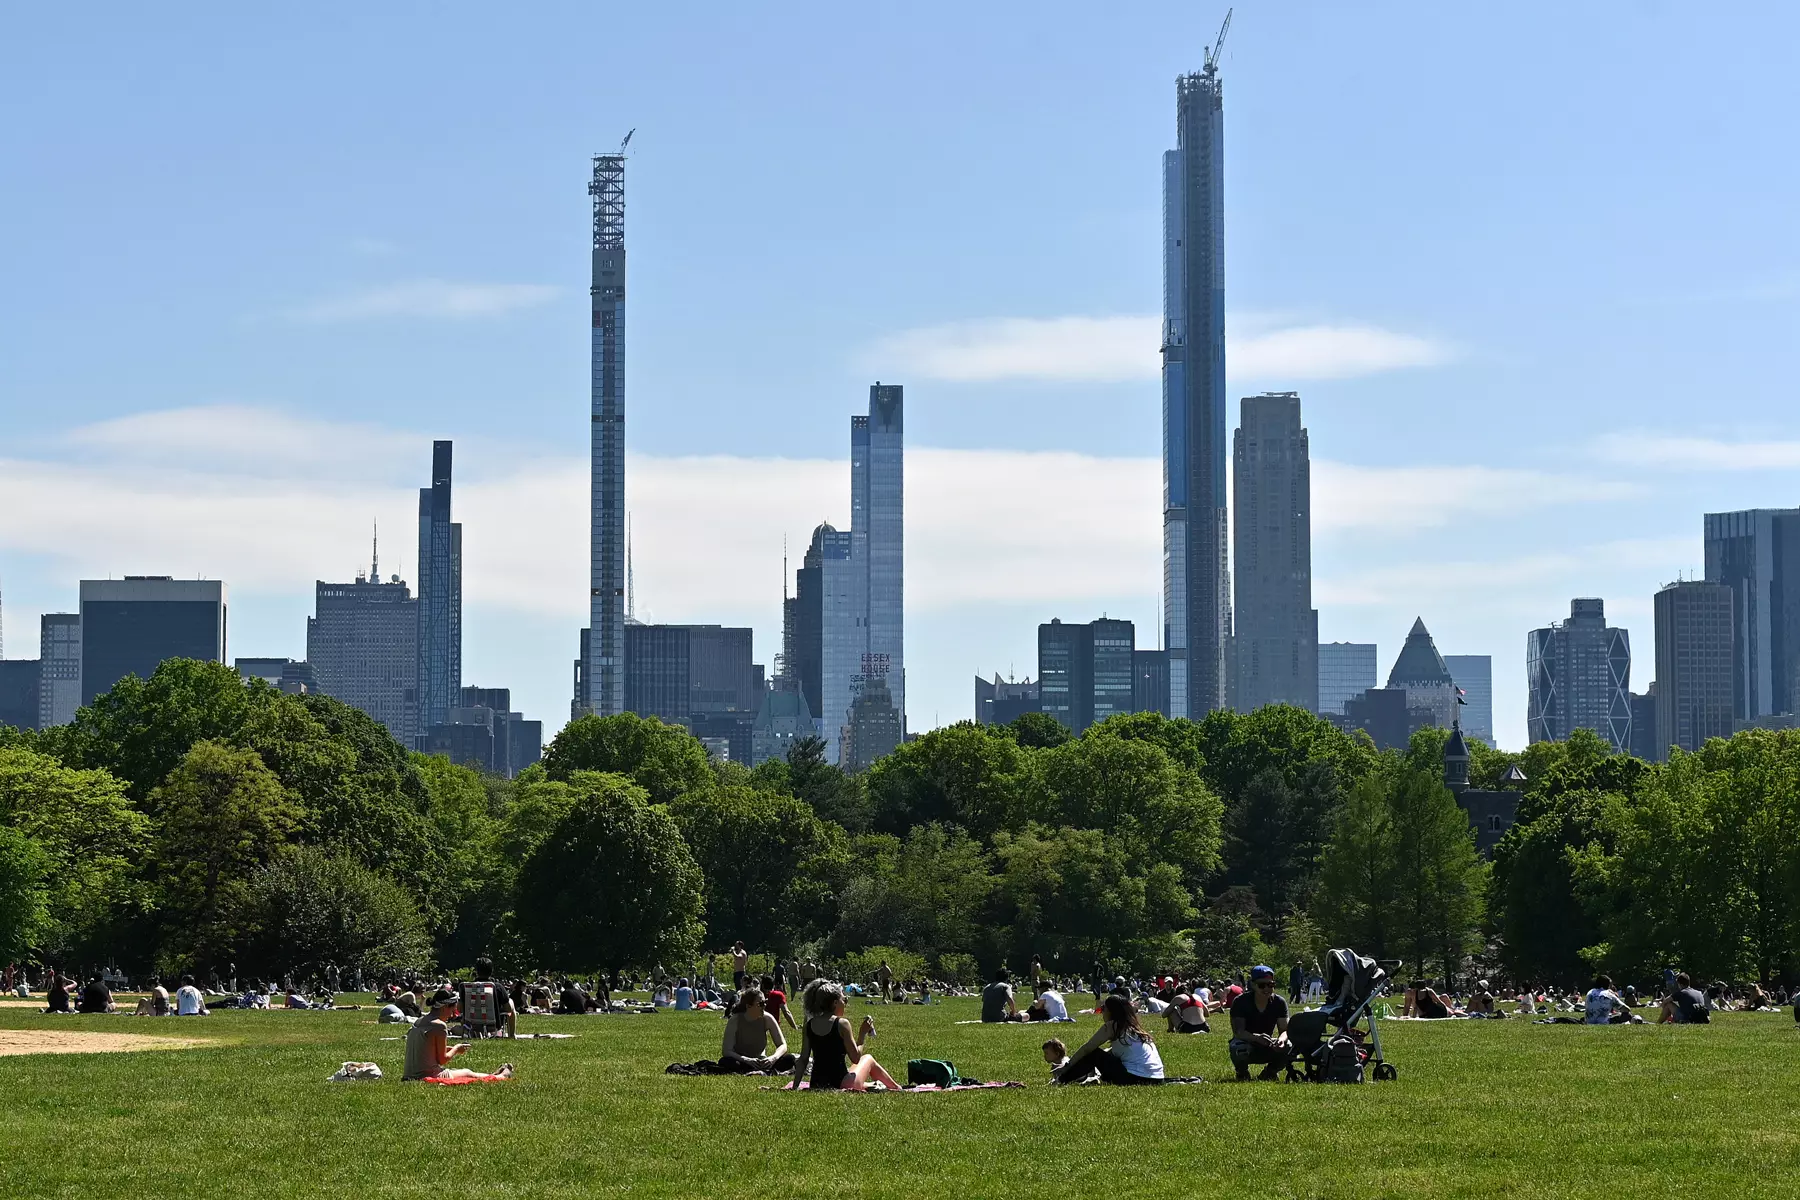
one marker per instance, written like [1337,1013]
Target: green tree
[833,794]
[221,815]
[772,868]
[665,760]
[1237,747]
[1152,808]
[1276,832]
[1074,896]
[90,835]
[958,775]
[1037,731]
[927,893]
[613,885]
[1439,880]
[1544,918]
[24,902]
[1358,886]
[313,908]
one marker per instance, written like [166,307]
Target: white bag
[351,1072]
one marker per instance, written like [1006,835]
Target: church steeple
[1456,760]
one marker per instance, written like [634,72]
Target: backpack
[1343,1060]
[932,1071]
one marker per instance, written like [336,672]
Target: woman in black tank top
[838,1060]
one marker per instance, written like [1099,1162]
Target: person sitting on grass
[1049,1006]
[997,1003]
[188,1000]
[96,997]
[753,1038]
[58,994]
[1603,1006]
[1425,1003]
[839,1061]
[1132,1059]
[684,995]
[1685,1005]
[1186,1014]
[428,1052]
[1259,1021]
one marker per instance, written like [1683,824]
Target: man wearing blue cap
[1259,1021]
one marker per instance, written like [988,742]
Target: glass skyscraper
[1346,671]
[877,537]
[1578,676]
[1196,577]
[439,672]
[1474,674]
[1275,646]
[1756,553]
[130,625]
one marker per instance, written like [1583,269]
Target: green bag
[931,1070]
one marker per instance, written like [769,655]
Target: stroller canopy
[1350,979]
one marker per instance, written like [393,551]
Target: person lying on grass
[1133,1058]
[428,1052]
[753,1039]
[838,1060]
[1422,1002]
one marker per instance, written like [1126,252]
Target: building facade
[1275,641]
[782,720]
[1087,673]
[1474,674]
[1756,553]
[873,729]
[362,643]
[1644,726]
[1196,576]
[678,672]
[828,639]
[1695,681]
[600,680]
[1150,682]
[1346,670]
[59,668]
[878,537]
[1420,671]
[19,692]
[1005,700]
[439,643]
[1578,676]
[130,625]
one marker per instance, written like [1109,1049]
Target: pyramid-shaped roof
[1419,661]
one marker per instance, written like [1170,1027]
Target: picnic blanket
[923,1087]
[1052,1021]
[441,1081]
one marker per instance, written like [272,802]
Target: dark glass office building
[363,646]
[439,671]
[1087,673]
[130,625]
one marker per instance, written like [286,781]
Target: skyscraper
[877,537]
[439,672]
[362,643]
[1275,645]
[1346,670]
[130,625]
[829,640]
[601,677]
[1087,673]
[1693,664]
[1196,579]
[1757,554]
[1474,674]
[1420,672]
[59,657]
[1578,676]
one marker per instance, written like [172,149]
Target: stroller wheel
[1385,1073]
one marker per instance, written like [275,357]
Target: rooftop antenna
[375,554]
[1212,56]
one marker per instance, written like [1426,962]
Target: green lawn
[1501,1108]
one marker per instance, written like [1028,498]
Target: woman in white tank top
[1133,1058]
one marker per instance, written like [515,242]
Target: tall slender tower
[440,596]
[602,679]
[878,536]
[1196,575]
[1276,639]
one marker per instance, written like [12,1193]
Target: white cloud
[1398,499]
[432,298]
[1118,348]
[1671,452]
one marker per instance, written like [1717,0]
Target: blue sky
[1533,271]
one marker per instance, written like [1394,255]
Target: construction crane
[1212,56]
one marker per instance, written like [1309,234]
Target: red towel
[452,1081]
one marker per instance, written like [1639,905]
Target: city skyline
[246,440]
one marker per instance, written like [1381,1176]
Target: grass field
[1502,1108]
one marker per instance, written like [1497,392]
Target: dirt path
[70,1041]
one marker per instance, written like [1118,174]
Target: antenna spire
[375,554]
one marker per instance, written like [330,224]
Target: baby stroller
[1351,984]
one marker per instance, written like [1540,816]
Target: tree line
[194,819]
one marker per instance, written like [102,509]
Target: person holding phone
[428,1052]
